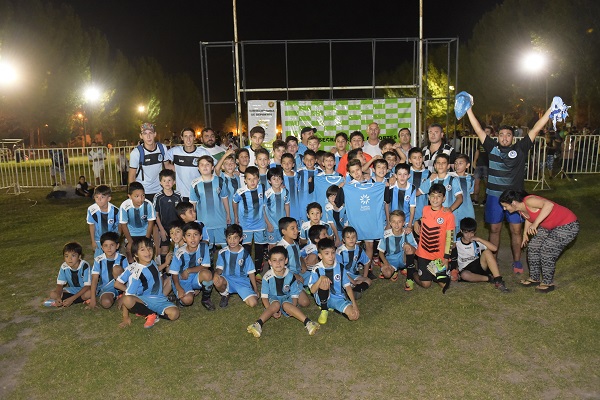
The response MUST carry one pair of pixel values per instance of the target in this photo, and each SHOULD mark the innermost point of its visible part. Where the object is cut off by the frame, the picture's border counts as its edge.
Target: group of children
(320, 233)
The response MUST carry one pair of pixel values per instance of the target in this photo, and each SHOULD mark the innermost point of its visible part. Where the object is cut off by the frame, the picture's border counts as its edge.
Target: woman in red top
(551, 226)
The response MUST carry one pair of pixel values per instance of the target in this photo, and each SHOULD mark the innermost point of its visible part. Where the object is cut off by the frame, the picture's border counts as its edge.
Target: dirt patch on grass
(15, 353)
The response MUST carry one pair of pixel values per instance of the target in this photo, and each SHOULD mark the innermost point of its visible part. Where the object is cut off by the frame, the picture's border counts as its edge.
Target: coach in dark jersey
(506, 170)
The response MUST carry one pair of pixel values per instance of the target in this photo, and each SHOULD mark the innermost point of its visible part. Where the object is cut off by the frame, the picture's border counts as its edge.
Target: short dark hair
(357, 133)
(352, 154)
(291, 139)
(325, 244)
(436, 126)
(187, 129)
(112, 236)
(73, 247)
(177, 224)
(182, 207)
(309, 152)
(510, 128)
(278, 250)
(328, 154)
(278, 143)
(139, 240)
(510, 195)
(192, 226)
(242, 150)
(315, 231)
(463, 157)
(347, 230)
(285, 222)
(444, 156)
(257, 129)
(404, 129)
(342, 134)
(353, 163)
(133, 186)
(390, 153)
(313, 205)
(262, 150)
(288, 155)
(275, 171)
(234, 229)
(385, 141)
(468, 224)
(403, 166)
(437, 188)
(252, 170)
(207, 158)
(379, 161)
(166, 173)
(103, 190)
(415, 150)
(332, 190)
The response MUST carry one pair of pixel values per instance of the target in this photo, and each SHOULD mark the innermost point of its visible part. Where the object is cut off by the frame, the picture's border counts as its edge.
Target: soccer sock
(206, 289)
(259, 256)
(361, 287)
(323, 296)
(410, 262)
(498, 279)
(306, 321)
(163, 258)
(260, 322)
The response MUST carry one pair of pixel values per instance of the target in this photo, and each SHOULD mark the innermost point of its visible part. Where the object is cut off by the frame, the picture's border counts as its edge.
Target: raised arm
(539, 125)
(476, 125)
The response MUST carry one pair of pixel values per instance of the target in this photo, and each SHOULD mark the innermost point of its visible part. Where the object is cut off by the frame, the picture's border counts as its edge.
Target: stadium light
(91, 94)
(8, 74)
(141, 109)
(535, 63)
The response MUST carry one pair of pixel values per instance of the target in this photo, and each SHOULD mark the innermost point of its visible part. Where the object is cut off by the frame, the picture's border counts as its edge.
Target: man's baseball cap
(308, 129)
(147, 126)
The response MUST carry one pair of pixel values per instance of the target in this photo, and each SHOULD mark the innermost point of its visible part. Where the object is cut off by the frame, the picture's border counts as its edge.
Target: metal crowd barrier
(579, 155)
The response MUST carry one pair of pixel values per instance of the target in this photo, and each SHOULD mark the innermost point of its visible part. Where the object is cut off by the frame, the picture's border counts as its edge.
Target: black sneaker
(172, 298)
(475, 202)
(501, 286)
(208, 304)
(224, 301)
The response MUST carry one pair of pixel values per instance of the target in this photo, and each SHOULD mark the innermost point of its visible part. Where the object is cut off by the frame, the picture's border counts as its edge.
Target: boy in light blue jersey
(306, 180)
(314, 212)
(289, 232)
(102, 217)
(189, 268)
(353, 258)
(257, 137)
(391, 157)
(136, 216)
(397, 249)
(290, 181)
(262, 163)
(279, 294)
(176, 235)
(326, 178)
(249, 212)
(210, 195)
(309, 253)
(187, 213)
(292, 147)
(73, 282)
(235, 271)
(418, 175)
(142, 285)
(402, 195)
(277, 204)
(107, 267)
(454, 194)
(333, 214)
(467, 182)
(226, 169)
(279, 148)
(331, 286)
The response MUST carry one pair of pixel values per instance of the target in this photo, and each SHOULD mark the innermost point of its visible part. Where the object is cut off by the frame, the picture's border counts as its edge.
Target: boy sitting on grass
(474, 257)
(73, 282)
(397, 250)
(189, 268)
(436, 230)
(141, 281)
(331, 286)
(107, 267)
(288, 227)
(353, 258)
(235, 270)
(279, 293)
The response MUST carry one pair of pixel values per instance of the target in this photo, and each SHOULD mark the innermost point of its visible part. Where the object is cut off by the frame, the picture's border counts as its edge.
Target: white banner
(263, 113)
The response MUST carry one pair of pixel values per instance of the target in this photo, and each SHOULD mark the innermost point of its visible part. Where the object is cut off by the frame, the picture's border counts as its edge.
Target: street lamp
(8, 74)
(141, 109)
(535, 63)
(91, 94)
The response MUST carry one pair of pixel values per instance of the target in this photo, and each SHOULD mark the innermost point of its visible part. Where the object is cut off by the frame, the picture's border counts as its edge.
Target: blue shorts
(336, 302)
(156, 303)
(108, 288)
(259, 237)
(495, 214)
(396, 261)
(352, 275)
(189, 285)
(306, 277)
(72, 289)
(239, 285)
(217, 236)
(281, 300)
(273, 237)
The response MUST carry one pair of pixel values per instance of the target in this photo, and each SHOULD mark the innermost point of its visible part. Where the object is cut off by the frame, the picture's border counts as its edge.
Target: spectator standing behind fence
(122, 166)
(146, 161)
(97, 156)
(58, 162)
(481, 161)
(506, 171)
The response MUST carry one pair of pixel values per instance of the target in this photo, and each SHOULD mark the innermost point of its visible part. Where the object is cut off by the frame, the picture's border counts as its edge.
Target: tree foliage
(58, 58)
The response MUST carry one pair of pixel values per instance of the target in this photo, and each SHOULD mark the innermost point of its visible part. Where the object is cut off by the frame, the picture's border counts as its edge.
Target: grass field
(472, 343)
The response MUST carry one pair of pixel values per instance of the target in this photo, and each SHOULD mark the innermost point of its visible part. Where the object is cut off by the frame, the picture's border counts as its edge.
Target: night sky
(171, 30)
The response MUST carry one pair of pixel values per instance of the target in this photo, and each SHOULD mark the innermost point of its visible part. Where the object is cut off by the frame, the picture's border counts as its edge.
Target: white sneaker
(255, 329)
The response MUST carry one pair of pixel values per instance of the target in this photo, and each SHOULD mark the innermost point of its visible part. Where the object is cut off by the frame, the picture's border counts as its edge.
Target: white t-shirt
(372, 150)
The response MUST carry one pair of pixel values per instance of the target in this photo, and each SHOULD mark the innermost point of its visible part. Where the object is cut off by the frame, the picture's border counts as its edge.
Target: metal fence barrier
(579, 155)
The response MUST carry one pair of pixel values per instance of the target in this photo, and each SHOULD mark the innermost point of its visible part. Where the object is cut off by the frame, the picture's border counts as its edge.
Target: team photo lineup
(302, 231)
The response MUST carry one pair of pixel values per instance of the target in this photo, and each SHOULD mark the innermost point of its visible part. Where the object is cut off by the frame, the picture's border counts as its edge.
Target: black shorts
(424, 274)
(475, 268)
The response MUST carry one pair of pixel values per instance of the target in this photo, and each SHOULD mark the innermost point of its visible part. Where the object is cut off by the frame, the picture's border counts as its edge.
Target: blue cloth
(462, 103)
(364, 202)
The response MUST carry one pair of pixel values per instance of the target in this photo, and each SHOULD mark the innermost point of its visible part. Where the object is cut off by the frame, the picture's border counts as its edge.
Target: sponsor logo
(440, 220)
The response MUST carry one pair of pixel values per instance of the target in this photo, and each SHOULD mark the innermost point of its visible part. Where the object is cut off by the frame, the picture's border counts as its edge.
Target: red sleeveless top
(559, 215)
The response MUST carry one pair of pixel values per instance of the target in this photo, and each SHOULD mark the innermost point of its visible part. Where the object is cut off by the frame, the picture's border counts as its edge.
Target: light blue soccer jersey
(103, 267)
(417, 178)
(236, 264)
(250, 208)
(402, 198)
(142, 280)
(291, 183)
(186, 166)
(322, 182)
(136, 218)
(338, 218)
(364, 202)
(393, 246)
(184, 259)
(103, 221)
(208, 197)
(466, 208)
(351, 260)
(293, 251)
(306, 227)
(75, 278)
(233, 184)
(451, 184)
(306, 188)
(283, 287)
(336, 274)
(275, 205)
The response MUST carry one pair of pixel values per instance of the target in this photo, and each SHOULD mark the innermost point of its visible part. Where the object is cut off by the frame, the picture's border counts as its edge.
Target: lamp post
(91, 94)
(535, 63)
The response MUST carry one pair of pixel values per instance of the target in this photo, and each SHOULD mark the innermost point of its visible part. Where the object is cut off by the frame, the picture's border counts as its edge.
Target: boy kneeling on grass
(330, 284)
(73, 282)
(474, 258)
(279, 292)
(142, 285)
